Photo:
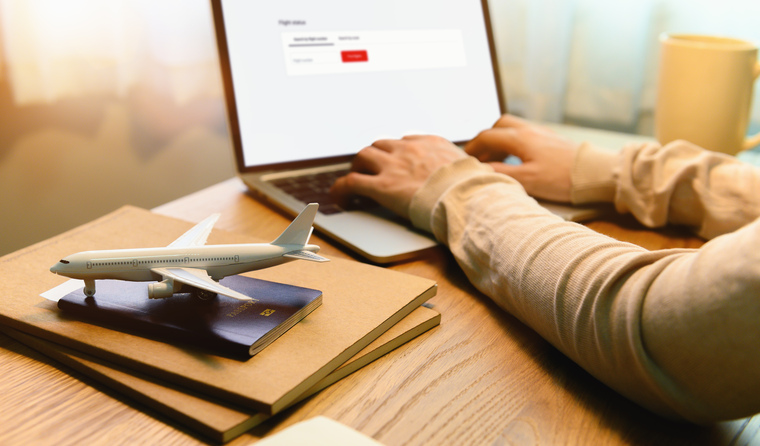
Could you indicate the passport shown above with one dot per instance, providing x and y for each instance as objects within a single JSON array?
[{"x": 221, "y": 325}]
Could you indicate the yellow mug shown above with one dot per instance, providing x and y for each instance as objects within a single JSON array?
[{"x": 704, "y": 91}]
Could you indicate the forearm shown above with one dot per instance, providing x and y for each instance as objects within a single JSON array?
[
  {"x": 583, "y": 292},
  {"x": 700, "y": 324},
  {"x": 678, "y": 184}
]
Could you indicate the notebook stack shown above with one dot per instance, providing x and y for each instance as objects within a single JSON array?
[{"x": 365, "y": 312}]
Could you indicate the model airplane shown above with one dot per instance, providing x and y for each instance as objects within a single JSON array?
[{"x": 189, "y": 261}]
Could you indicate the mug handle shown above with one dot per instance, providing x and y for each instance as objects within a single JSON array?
[{"x": 753, "y": 140}]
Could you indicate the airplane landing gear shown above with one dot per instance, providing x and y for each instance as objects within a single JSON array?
[
  {"x": 204, "y": 295},
  {"x": 89, "y": 288}
]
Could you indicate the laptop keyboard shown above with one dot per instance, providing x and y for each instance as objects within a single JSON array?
[{"x": 315, "y": 188}]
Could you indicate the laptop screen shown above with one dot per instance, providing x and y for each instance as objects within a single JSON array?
[{"x": 313, "y": 80}]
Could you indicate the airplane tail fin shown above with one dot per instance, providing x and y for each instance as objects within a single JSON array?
[{"x": 299, "y": 231}]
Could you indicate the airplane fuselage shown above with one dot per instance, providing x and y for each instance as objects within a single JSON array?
[
  {"x": 138, "y": 264},
  {"x": 189, "y": 261}
]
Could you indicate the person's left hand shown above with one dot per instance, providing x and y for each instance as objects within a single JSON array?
[
  {"x": 547, "y": 158},
  {"x": 390, "y": 171}
]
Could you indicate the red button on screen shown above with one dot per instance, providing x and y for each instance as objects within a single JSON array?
[{"x": 354, "y": 56}]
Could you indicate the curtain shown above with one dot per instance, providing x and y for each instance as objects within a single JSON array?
[
  {"x": 594, "y": 62},
  {"x": 54, "y": 49}
]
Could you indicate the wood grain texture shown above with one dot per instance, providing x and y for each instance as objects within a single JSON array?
[{"x": 482, "y": 377}]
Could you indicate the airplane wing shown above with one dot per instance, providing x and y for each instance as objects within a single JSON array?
[
  {"x": 306, "y": 255},
  {"x": 199, "y": 278},
  {"x": 197, "y": 235}
]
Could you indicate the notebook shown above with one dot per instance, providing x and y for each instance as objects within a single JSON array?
[{"x": 310, "y": 83}]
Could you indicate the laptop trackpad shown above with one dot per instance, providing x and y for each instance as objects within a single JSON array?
[{"x": 379, "y": 234}]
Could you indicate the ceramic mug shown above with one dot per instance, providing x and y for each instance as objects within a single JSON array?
[{"x": 704, "y": 91}]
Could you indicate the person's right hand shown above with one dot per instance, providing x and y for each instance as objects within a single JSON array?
[
  {"x": 390, "y": 171},
  {"x": 547, "y": 158}
]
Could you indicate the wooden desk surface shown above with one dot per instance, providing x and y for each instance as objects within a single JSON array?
[{"x": 481, "y": 377}]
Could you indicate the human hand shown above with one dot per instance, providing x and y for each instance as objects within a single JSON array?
[
  {"x": 547, "y": 158},
  {"x": 390, "y": 171}
]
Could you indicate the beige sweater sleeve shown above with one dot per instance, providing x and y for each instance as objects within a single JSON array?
[
  {"x": 679, "y": 183},
  {"x": 676, "y": 331}
]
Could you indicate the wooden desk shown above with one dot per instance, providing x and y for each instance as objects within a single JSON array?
[{"x": 480, "y": 378}]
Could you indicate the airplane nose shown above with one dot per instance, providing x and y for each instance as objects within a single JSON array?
[{"x": 58, "y": 267}]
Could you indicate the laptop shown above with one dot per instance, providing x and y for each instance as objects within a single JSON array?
[{"x": 309, "y": 83}]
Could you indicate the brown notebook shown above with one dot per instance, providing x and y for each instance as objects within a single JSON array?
[
  {"x": 217, "y": 420},
  {"x": 360, "y": 302}
]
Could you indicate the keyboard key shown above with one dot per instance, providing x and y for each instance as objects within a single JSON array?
[{"x": 315, "y": 188}]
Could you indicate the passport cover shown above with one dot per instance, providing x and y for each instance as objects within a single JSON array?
[{"x": 222, "y": 325}]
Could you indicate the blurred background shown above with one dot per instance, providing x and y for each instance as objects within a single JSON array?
[{"x": 106, "y": 103}]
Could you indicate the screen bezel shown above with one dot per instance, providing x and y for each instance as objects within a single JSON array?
[{"x": 233, "y": 123}]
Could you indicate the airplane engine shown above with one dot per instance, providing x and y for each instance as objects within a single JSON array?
[{"x": 160, "y": 290}]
